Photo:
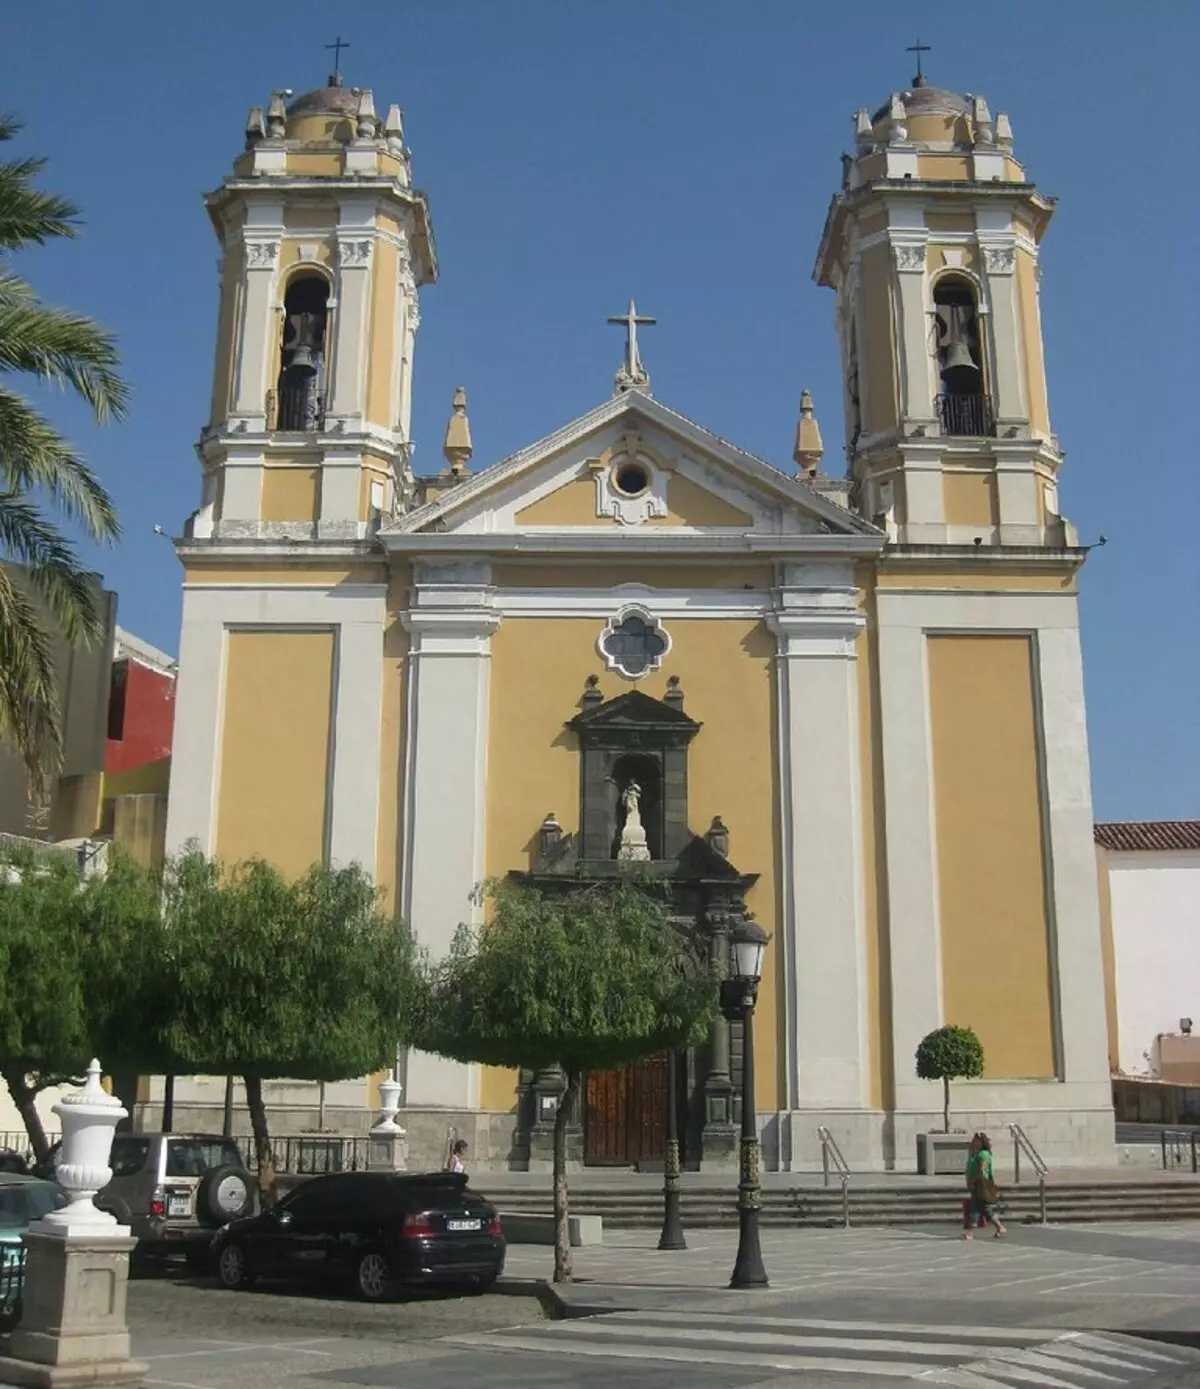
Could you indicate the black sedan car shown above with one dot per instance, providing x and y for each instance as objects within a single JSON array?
[{"x": 375, "y": 1230}]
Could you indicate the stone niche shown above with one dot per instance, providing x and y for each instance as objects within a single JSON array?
[{"x": 634, "y": 737}]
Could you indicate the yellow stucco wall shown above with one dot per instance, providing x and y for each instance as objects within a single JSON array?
[
  {"x": 969, "y": 499},
  {"x": 655, "y": 574},
  {"x": 1031, "y": 334},
  {"x": 539, "y": 666},
  {"x": 688, "y": 504},
  {"x": 275, "y": 747},
  {"x": 307, "y": 574},
  {"x": 877, "y": 341},
  {"x": 382, "y": 339},
  {"x": 996, "y": 972},
  {"x": 228, "y": 314},
  {"x": 1037, "y": 578},
  {"x": 291, "y": 494}
]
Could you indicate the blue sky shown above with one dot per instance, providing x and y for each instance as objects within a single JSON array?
[{"x": 684, "y": 152}]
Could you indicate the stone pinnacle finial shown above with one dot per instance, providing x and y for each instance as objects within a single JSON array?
[
  {"x": 393, "y": 129},
  {"x": 277, "y": 115},
  {"x": 365, "y": 121},
  {"x": 457, "y": 447},
  {"x": 256, "y": 128},
  {"x": 809, "y": 448}
]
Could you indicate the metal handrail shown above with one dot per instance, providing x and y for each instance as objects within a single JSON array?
[
  {"x": 1022, "y": 1144},
  {"x": 831, "y": 1157},
  {"x": 1175, "y": 1136}
]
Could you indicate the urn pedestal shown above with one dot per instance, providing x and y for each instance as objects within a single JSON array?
[{"x": 72, "y": 1328}]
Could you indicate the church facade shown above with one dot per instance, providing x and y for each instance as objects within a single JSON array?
[{"x": 852, "y": 707}]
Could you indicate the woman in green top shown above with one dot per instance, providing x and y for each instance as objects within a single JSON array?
[{"x": 981, "y": 1183}]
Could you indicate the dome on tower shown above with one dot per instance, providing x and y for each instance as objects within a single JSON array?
[
  {"x": 924, "y": 100},
  {"x": 331, "y": 100}
]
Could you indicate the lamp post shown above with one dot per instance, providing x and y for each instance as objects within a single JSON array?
[
  {"x": 739, "y": 993},
  {"x": 672, "y": 1228}
]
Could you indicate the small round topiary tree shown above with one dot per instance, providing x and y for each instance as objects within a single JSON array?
[{"x": 946, "y": 1054}]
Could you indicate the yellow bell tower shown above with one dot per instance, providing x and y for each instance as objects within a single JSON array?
[
  {"x": 932, "y": 248},
  {"x": 324, "y": 245}
]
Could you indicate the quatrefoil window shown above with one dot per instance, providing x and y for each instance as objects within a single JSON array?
[{"x": 634, "y": 643}]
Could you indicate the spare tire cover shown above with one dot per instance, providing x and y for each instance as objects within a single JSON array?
[{"x": 225, "y": 1194}]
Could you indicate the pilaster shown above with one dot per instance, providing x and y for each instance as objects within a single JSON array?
[
  {"x": 263, "y": 234},
  {"x": 822, "y": 918},
  {"x": 356, "y": 236},
  {"x": 912, "y": 329},
  {"x": 451, "y": 620},
  {"x": 997, "y": 249}
]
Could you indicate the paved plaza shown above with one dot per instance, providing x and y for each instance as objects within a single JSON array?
[{"x": 1054, "y": 1308}]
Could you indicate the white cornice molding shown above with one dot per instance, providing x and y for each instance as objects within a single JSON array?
[{"x": 605, "y": 542}]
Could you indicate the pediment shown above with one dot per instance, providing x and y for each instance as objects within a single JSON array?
[
  {"x": 630, "y": 471},
  {"x": 633, "y": 710}
]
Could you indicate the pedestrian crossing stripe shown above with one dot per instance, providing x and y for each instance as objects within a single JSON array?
[{"x": 967, "y": 1357}]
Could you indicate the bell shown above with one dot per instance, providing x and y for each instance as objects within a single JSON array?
[
  {"x": 302, "y": 359},
  {"x": 958, "y": 358}
]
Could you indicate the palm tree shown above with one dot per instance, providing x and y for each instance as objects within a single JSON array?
[{"x": 40, "y": 471}]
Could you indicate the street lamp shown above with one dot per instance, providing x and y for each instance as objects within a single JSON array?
[
  {"x": 672, "y": 1227},
  {"x": 738, "y": 996}
]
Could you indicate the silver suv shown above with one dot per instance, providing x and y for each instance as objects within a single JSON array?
[{"x": 175, "y": 1190}]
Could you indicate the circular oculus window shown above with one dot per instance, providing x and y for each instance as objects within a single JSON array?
[{"x": 631, "y": 479}]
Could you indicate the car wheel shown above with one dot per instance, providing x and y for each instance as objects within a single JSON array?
[
  {"x": 224, "y": 1195},
  {"x": 372, "y": 1277},
  {"x": 231, "y": 1267}
]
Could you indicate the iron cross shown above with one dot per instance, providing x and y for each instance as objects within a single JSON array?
[
  {"x": 918, "y": 48},
  {"x": 338, "y": 44},
  {"x": 633, "y": 362}
]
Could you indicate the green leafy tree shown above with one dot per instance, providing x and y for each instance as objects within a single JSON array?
[
  {"x": 77, "y": 971},
  {"x": 595, "y": 978},
  {"x": 37, "y": 465},
  {"x": 307, "y": 979},
  {"x": 946, "y": 1054}
]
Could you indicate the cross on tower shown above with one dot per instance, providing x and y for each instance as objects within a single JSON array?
[
  {"x": 337, "y": 45},
  {"x": 918, "y": 48},
  {"x": 633, "y": 371}
]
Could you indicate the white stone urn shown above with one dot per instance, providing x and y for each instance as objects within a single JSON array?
[
  {"x": 389, "y": 1103},
  {"x": 89, "y": 1119}
]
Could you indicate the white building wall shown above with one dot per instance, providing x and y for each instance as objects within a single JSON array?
[{"x": 1156, "y": 948}]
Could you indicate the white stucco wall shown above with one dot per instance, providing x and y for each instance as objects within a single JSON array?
[{"x": 1156, "y": 948}]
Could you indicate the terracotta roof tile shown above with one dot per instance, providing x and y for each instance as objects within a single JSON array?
[{"x": 1131, "y": 836}]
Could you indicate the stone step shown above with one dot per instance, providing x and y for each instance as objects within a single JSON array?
[{"x": 820, "y": 1207}]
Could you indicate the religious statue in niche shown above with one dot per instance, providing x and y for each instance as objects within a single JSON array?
[{"x": 633, "y": 847}]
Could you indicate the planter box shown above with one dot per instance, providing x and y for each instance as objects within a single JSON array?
[
  {"x": 528, "y": 1227},
  {"x": 942, "y": 1154}
]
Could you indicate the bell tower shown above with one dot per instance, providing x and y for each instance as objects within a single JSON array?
[
  {"x": 931, "y": 246},
  {"x": 324, "y": 245}
]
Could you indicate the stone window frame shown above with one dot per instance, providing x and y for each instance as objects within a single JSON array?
[{"x": 655, "y": 624}]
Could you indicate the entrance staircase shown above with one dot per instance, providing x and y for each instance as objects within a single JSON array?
[{"x": 625, "y": 1206}]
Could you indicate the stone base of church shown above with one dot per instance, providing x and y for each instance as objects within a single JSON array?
[{"x": 886, "y": 1141}]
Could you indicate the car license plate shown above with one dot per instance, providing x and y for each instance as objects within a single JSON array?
[
  {"x": 179, "y": 1205},
  {"x": 464, "y": 1224}
]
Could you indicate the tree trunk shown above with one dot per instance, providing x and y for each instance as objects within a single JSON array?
[
  {"x": 946, "y": 1103},
  {"x": 227, "y": 1117},
  {"x": 168, "y": 1110},
  {"x": 24, "y": 1096},
  {"x": 263, "y": 1155},
  {"x": 562, "y": 1230},
  {"x": 125, "y": 1087}
]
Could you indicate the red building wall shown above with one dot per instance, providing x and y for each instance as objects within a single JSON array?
[{"x": 141, "y": 716}]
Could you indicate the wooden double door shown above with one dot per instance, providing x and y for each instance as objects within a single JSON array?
[{"x": 625, "y": 1114}]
